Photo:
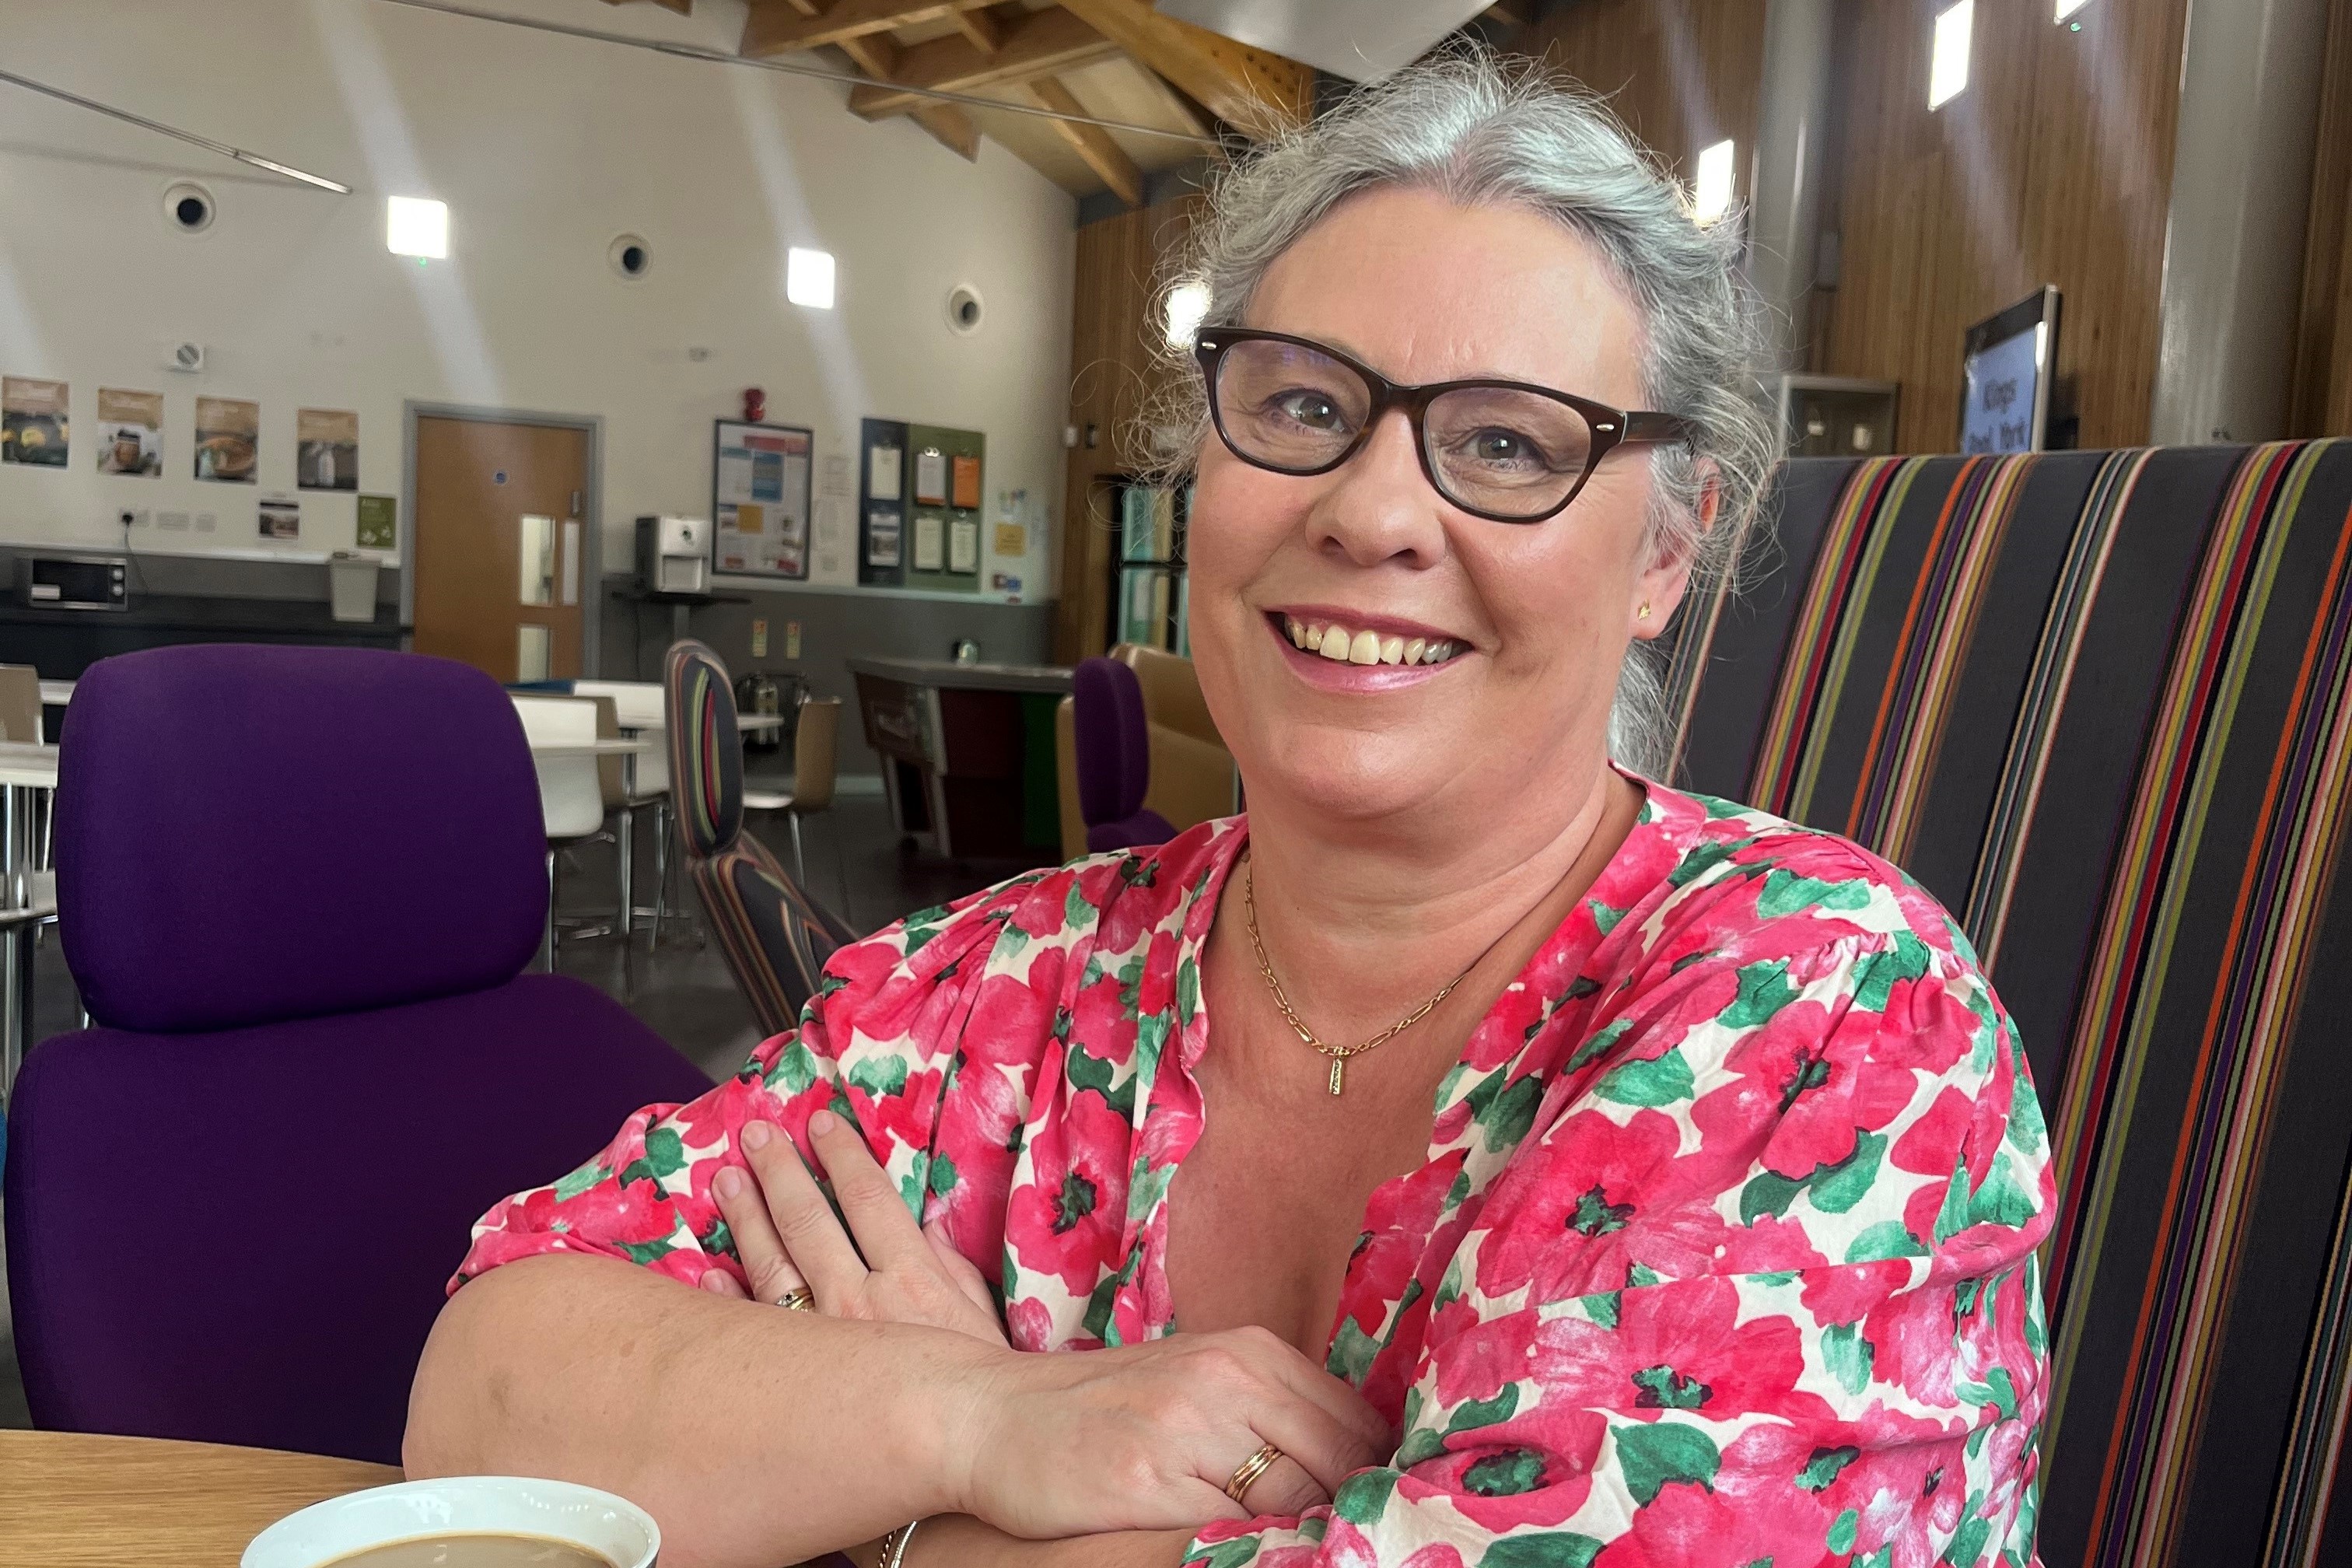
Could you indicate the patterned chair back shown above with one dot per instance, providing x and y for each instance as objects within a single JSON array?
[
  {"x": 2100, "y": 704},
  {"x": 775, "y": 938}
]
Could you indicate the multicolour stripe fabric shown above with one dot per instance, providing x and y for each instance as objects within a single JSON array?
[
  {"x": 2101, "y": 703},
  {"x": 774, "y": 937}
]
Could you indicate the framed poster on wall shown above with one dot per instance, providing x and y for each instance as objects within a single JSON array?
[{"x": 760, "y": 484}]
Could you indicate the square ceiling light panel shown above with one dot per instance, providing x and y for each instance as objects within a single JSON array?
[
  {"x": 1362, "y": 41},
  {"x": 416, "y": 225},
  {"x": 808, "y": 278}
]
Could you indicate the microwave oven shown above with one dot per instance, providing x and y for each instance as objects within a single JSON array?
[{"x": 74, "y": 582}]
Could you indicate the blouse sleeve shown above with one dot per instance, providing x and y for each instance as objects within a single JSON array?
[
  {"x": 1764, "y": 1290},
  {"x": 874, "y": 1045}
]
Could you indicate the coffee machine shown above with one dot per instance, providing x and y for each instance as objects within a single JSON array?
[{"x": 674, "y": 554}]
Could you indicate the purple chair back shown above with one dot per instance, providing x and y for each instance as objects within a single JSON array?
[
  {"x": 1113, "y": 742},
  {"x": 297, "y": 887}
]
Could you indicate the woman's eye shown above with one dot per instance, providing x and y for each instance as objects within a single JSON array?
[
  {"x": 1312, "y": 409},
  {"x": 1501, "y": 447}
]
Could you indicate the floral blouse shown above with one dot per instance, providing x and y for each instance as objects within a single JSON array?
[{"x": 1722, "y": 1252}]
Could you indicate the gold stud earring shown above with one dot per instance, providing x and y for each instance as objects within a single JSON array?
[{"x": 1643, "y": 613}]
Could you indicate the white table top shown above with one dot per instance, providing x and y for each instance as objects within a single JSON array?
[
  {"x": 634, "y": 723},
  {"x": 57, "y": 693},
  {"x": 32, "y": 767},
  {"x": 583, "y": 748}
]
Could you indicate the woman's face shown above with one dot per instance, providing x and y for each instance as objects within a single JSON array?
[{"x": 1421, "y": 289}]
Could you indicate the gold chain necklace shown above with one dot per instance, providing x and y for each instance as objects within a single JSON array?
[{"x": 1339, "y": 1053}]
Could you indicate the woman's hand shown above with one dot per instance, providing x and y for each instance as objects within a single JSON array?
[
  {"x": 1146, "y": 1437},
  {"x": 885, "y": 1268}
]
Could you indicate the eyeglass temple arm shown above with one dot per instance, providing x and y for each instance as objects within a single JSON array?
[{"x": 1658, "y": 428}]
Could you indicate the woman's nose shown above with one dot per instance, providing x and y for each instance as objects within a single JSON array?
[{"x": 1380, "y": 507}]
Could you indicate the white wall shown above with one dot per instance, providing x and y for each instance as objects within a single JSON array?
[{"x": 545, "y": 148}]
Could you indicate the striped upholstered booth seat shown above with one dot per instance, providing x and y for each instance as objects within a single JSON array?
[{"x": 2101, "y": 705}]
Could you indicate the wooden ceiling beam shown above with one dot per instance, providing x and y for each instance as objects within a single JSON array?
[
  {"x": 1042, "y": 44},
  {"x": 985, "y": 29},
  {"x": 780, "y": 26},
  {"x": 878, "y": 55},
  {"x": 1106, "y": 157},
  {"x": 683, "y": 8},
  {"x": 1258, "y": 93}
]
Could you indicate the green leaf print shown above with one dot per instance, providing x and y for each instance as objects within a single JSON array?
[
  {"x": 1551, "y": 1548},
  {"x": 1996, "y": 1390},
  {"x": 1886, "y": 1239},
  {"x": 2000, "y": 1200},
  {"x": 1230, "y": 1553},
  {"x": 1506, "y": 1118},
  {"x": 1076, "y": 1202},
  {"x": 1352, "y": 1353},
  {"x": 1664, "y": 1388},
  {"x": 1638, "y": 1274},
  {"x": 1841, "y": 1531},
  {"x": 1848, "y": 1355},
  {"x": 795, "y": 1069},
  {"x": 1652, "y": 1456},
  {"x": 1507, "y": 1474},
  {"x": 581, "y": 1180},
  {"x": 1967, "y": 1545},
  {"x": 1839, "y": 1187},
  {"x": 943, "y": 1174},
  {"x": 879, "y": 1075},
  {"x": 1597, "y": 1045},
  {"x": 1478, "y": 1414},
  {"x": 1085, "y": 1071},
  {"x": 665, "y": 1156},
  {"x": 1824, "y": 1467},
  {"x": 1661, "y": 1081},
  {"x": 1883, "y": 971},
  {"x": 1703, "y": 859},
  {"x": 1602, "y": 1309},
  {"x": 1764, "y": 990},
  {"x": 1605, "y": 919},
  {"x": 1767, "y": 1192},
  {"x": 1187, "y": 989},
  {"x": 1594, "y": 1215},
  {"x": 1076, "y": 913},
  {"x": 1130, "y": 982},
  {"x": 719, "y": 1240},
  {"x": 2027, "y": 1133},
  {"x": 1010, "y": 941},
  {"x": 1953, "y": 1217},
  {"x": 1363, "y": 1496},
  {"x": 1419, "y": 1442},
  {"x": 1787, "y": 894}
]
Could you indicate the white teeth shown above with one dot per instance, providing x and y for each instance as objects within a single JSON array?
[{"x": 1341, "y": 645}]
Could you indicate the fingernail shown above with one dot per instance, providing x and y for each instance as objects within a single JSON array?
[
  {"x": 712, "y": 1280},
  {"x": 823, "y": 1123},
  {"x": 729, "y": 1183},
  {"x": 756, "y": 1136}
]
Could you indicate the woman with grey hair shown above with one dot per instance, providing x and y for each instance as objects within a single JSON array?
[{"x": 1545, "y": 1167}]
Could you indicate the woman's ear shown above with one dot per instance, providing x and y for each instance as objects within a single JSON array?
[{"x": 1659, "y": 590}]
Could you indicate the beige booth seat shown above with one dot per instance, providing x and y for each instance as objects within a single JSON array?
[{"x": 1193, "y": 776}]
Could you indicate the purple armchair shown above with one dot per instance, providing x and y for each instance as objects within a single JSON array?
[
  {"x": 297, "y": 888},
  {"x": 1113, "y": 743}
]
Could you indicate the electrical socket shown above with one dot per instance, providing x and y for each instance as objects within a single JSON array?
[
  {"x": 133, "y": 517},
  {"x": 172, "y": 520},
  {"x": 206, "y": 522}
]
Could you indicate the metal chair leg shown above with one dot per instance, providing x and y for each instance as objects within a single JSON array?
[
  {"x": 625, "y": 846},
  {"x": 800, "y": 861},
  {"x": 661, "y": 873},
  {"x": 547, "y": 947}
]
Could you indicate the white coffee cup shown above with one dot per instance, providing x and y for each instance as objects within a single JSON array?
[{"x": 580, "y": 1516}]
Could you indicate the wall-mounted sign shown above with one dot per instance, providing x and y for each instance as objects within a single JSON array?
[
  {"x": 379, "y": 523},
  {"x": 327, "y": 449},
  {"x": 33, "y": 422},
  {"x": 281, "y": 518},
  {"x": 130, "y": 432},
  {"x": 228, "y": 439}
]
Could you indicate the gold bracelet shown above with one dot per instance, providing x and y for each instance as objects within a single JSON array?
[{"x": 894, "y": 1545}]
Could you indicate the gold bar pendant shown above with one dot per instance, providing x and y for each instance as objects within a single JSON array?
[{"x": 1338, "y": 1071}]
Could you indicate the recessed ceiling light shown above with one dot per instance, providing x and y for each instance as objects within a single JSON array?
[
  {"x": 1712, "y": 199},
  {"x": 416, "y": 225},
  {"x": 808, "y": 278},
  {"x": 1948, "y": 68}
]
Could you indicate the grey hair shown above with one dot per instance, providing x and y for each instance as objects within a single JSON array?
[{"x": 1482, "y": 131}]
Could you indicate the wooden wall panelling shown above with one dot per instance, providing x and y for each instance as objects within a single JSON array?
[
  {"x": 1115, "y": 313},
  {"x": 1682, "y": 74},
  {"x": 2322, "y": 394},
  {"x": 2053, "y": 166}
]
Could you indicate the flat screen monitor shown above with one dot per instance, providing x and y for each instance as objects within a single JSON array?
[{"x": 2005, "y": 369}]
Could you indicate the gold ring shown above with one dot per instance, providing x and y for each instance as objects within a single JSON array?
[
  {"x": 1256, "y": 1465},
  {"x": 799, "y": 1299}
]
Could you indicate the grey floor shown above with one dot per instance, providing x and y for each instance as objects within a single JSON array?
[{"x": 683, "y": 989}]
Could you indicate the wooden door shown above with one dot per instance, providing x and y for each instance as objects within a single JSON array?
[{"x": 501, "y": 526}]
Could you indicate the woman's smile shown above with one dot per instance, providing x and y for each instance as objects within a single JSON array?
[{"x": 1350, "y": 650}]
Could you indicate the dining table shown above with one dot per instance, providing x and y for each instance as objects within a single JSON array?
[{"x": 74, "y": 1500}]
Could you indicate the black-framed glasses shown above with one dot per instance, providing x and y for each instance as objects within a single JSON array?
[{"x": 1502, "y": 450}]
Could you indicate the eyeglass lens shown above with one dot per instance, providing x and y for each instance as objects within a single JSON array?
[{"x": 1493, "y": 449}]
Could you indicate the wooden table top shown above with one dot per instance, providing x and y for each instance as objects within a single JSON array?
[{"x": 73, "y": 1501}]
